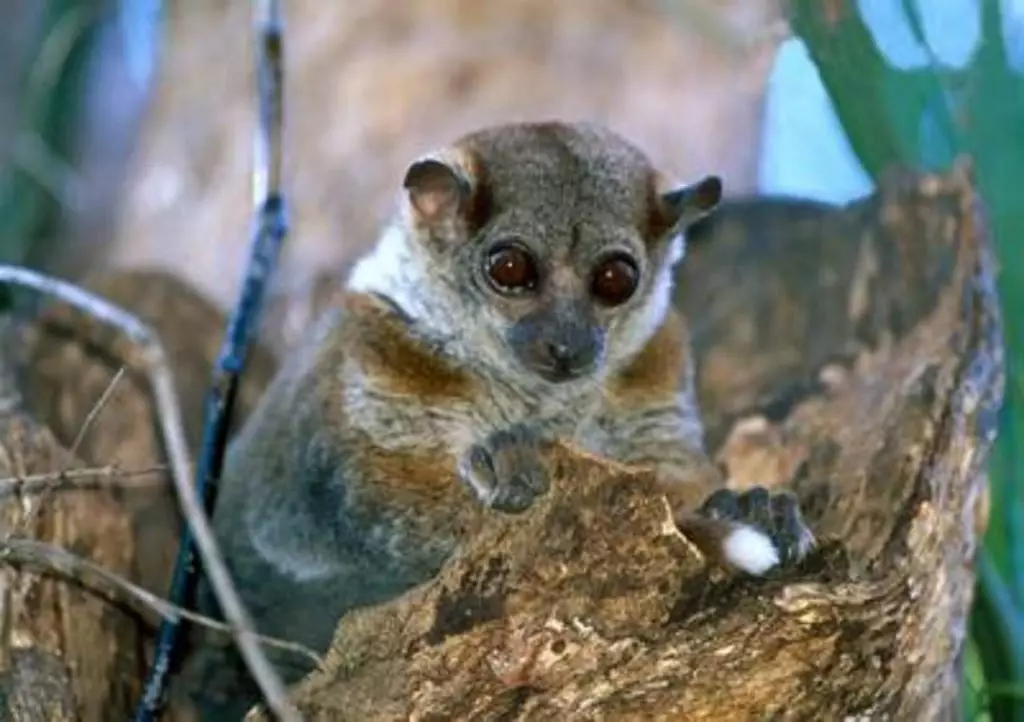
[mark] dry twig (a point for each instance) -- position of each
(33, 513)
(44, 556)
(95, 411)
(95, 477)
(270, 230)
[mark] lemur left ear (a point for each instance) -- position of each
(439, 185)
(687, 204)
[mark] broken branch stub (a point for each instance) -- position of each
(590, 606)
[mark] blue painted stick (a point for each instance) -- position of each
(271, 229)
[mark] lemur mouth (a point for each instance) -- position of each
(561, 374)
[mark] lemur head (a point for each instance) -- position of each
(550, 243)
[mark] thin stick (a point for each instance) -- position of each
(6, 623)
(90, 418)
(30, 518)
(89, 478)
(172, 430)
(270, 231)
(38, 554)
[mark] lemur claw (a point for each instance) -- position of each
(505, 470)
(777, 515)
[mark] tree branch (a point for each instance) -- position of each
(271, 229)
(48, 557)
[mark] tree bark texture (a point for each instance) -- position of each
(66, 361)
(67, 653)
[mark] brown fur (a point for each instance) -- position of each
(378, 340)
(655, 372)
(478, 208)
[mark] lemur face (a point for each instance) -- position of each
(561, 237)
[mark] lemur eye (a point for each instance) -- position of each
(614, 280)
(512, 269)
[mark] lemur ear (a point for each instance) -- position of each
(439, 185)
(687, 204)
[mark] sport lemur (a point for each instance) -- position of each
(520, 293)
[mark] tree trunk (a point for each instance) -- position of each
(67, 654)
(77, 657)
(591, 606)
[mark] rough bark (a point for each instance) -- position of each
(76, 656)
(67, 654)
(785, 296)
(591, 606)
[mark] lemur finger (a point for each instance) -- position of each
(509, 495)
(755, 506)
(517, 459)
(721, 504)
(794, 536)
(506, 470)
(747, 522)
(785, 507)
(513, 497)
(478, 473)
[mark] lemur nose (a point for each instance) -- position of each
(561, 353)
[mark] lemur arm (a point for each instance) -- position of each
(652, 420)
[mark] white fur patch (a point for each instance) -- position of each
(385, 267)
(676, 250)
(399, 270)
(750, 550)
(654, 314)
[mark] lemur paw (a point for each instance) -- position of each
(769, 528)
(506, 470)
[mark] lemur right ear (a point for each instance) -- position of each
(689, 203)
(439, 186)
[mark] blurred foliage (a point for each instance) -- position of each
(37, 180)
(924, 118)
(57, 81)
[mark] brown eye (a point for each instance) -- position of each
(614, 280)
(512, 269)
